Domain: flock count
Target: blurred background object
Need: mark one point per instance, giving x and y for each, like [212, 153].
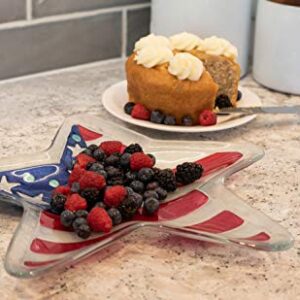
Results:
[42, 35]
[277, 45]
[228, 19]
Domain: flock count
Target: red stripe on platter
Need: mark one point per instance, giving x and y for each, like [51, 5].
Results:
[176, 208]
[88, 135]
[50, 220]
[33, 264]
[260, 237]
[222, 222]
[218, 161]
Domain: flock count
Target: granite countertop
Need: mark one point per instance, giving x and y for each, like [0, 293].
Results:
[159, 266]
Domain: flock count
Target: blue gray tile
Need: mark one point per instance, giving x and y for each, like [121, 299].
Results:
[54, 45]
[138, 25]
[42, 8]
[11, 10]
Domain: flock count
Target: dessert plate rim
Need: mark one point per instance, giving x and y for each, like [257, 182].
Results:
[114, 105]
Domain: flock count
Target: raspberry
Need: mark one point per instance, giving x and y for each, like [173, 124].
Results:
[75, 175]
[99, 220]
[140, 112]
[115, 195]
[83, 159]
[110, 147]
[62, 189]
[91, 180]
[139, 160]
[207, 118]
[75, 202]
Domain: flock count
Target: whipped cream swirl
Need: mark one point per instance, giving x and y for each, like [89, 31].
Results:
[218, 46]
[186, 66]
[185, 41]
[152, 56]
[152, 40]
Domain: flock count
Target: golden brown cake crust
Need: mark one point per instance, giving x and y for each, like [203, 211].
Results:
[156, 88]
[224, 71]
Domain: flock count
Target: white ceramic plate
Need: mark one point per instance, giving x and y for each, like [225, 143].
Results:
[115, 97]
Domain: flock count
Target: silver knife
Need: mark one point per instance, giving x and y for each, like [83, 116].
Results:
[292, 109]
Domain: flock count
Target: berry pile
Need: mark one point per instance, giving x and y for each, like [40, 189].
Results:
[110, 182]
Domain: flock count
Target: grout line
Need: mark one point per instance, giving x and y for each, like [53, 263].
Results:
[124, 33]
[69, 16]
[28, 10]
[64, 70]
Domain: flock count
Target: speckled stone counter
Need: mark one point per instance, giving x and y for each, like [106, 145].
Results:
[159, 266]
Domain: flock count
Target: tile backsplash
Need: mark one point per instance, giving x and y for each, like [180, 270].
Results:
[41, 35]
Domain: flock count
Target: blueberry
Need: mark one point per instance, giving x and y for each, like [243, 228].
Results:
[152, 157]
[151, 205]
[130, 176]
[67, 217]
[132, 148]
[101, 205]
[125, 160]
[157, 117]
[88, 152]
[162, 193]
[223, 101]
[75, 188]
[92, 147]
[115, 215]
[83, 231]
[103, 173]
[137, 198]
[58, 203]
[145, 174]
[96, 167]
[130, 191]
[151, 194]
[137, 186]
[239, 96]
[115, 181]
[99, 155]
[78, 222]
[152, 185]
[170, 120]
[113, 160]
[113, 172]
[128, 107]
[81, 213]
[187, 121]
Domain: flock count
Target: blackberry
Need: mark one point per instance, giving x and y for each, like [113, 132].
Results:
[170, 120]
[125, 160]
[113, 172]
[157, 117]
[115, 216]
[223, 101]
[166, 179]
[130, 191]
[81, 213]
[83, 231]
[137, 186]
[162, 194]
[75, 188]
[99, 155]
[128, 107]
[130, 176]
[145, 174]
[129, 207]
[57, 203]
[239, 96]
[113, 160]
[95, 167]
[151, 205]
[93, 147]
[91, 195]
[67, 217]
[188, 172]
[187, 121]
[132, 148]
[152, 185]
[151, 194]
[78, 222]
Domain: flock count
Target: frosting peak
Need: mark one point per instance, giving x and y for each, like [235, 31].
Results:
[152, 56]
[185, 41]
[152, 40]
[186, 66]
[218, 46]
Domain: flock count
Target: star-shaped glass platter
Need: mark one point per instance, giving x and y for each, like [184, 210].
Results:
[205, 210]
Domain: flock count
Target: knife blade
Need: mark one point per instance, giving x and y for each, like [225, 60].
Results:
[292, 109]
